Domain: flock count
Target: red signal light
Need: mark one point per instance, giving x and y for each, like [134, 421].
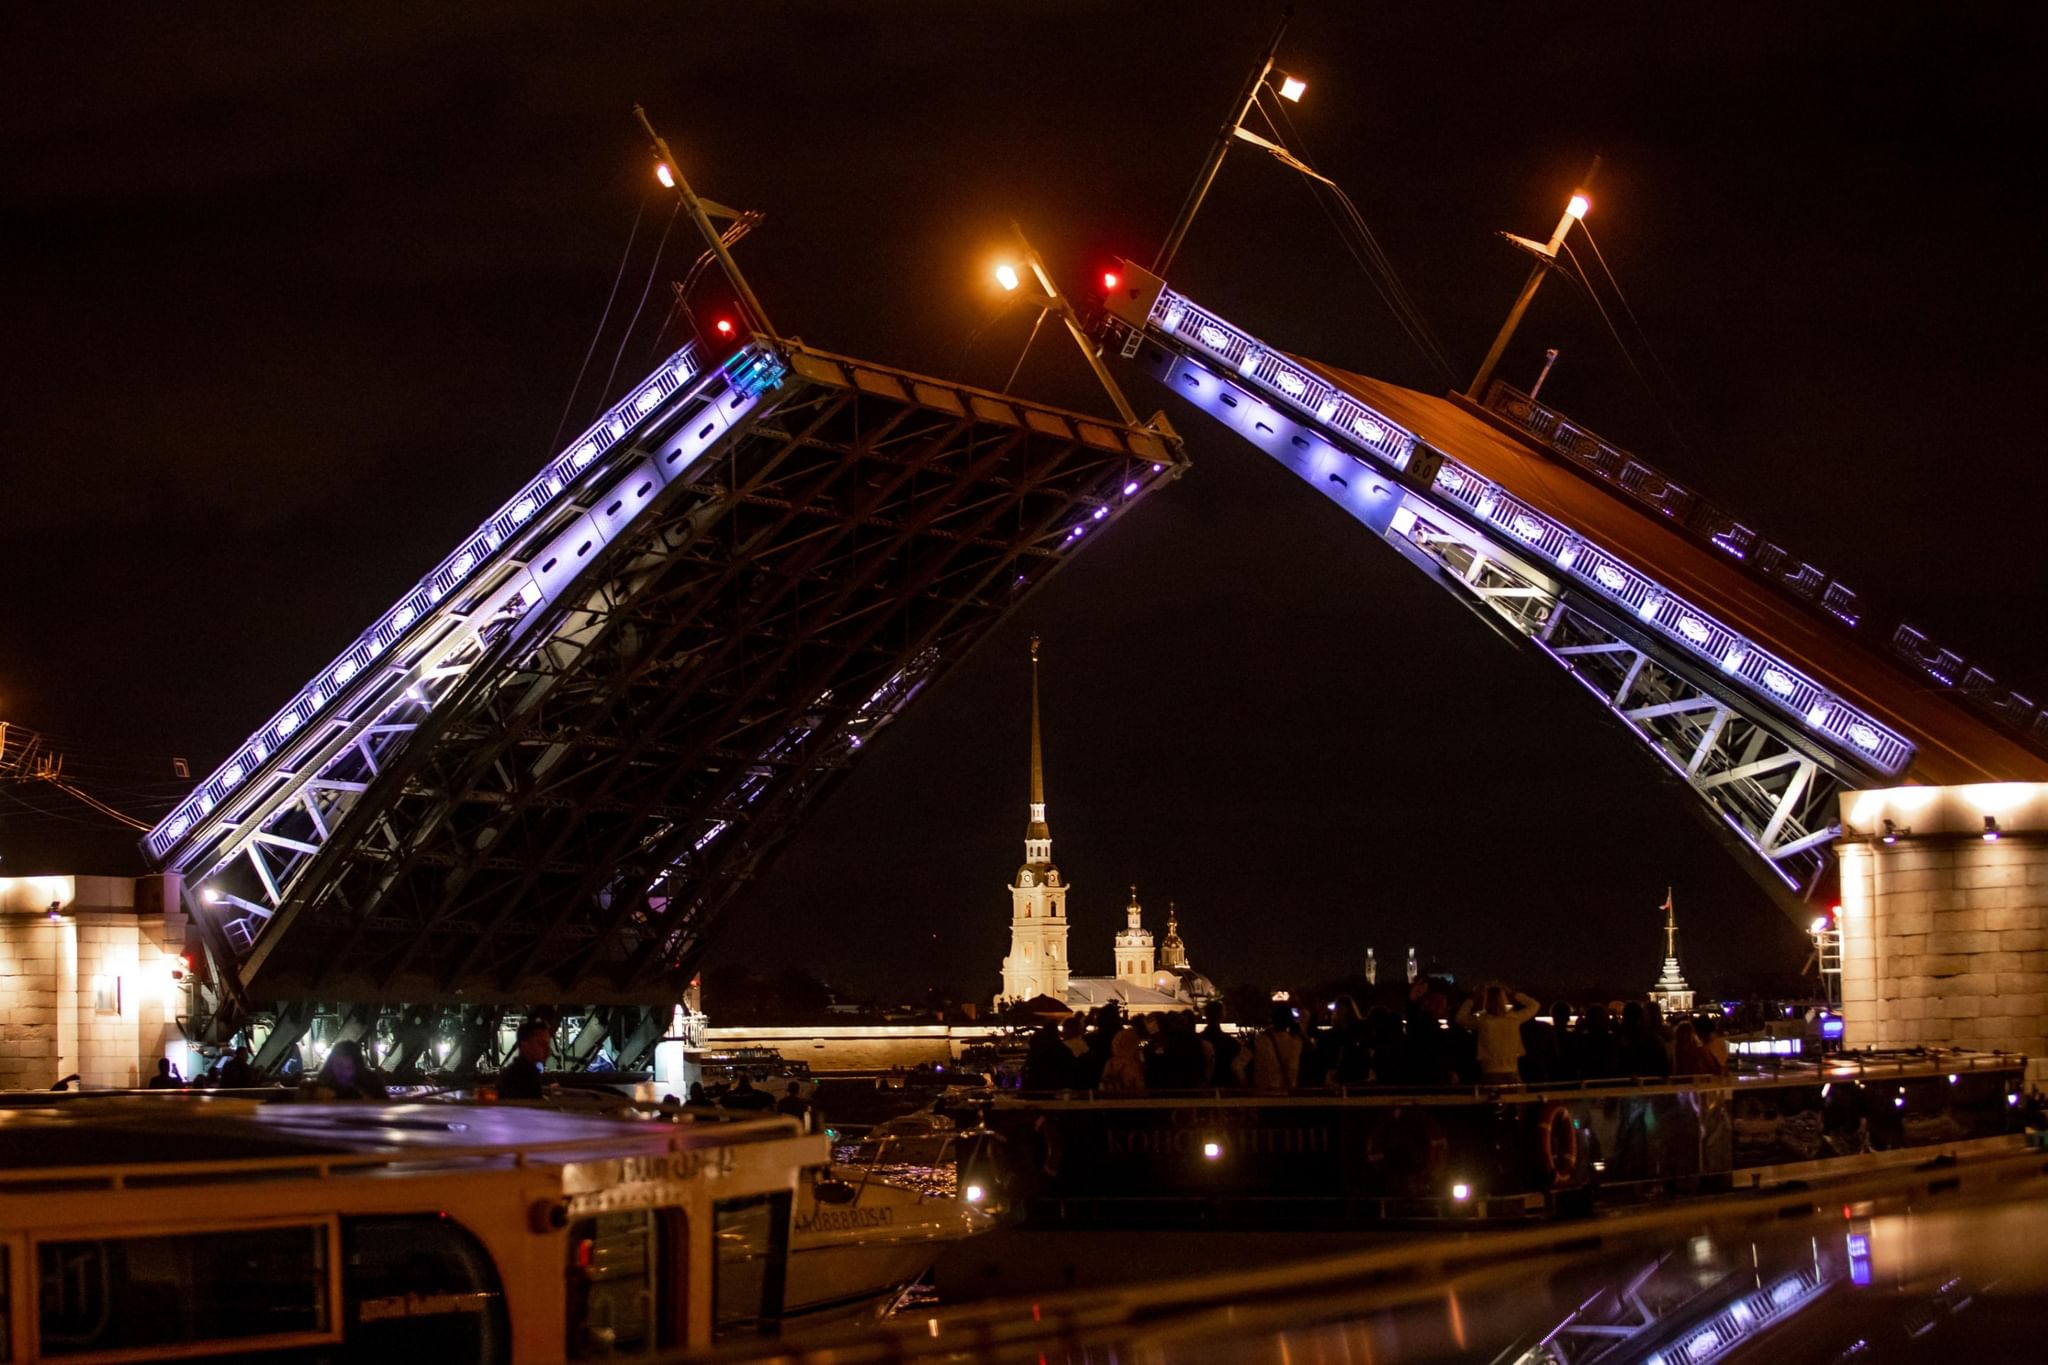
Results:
[1110, 281]
[724, 326]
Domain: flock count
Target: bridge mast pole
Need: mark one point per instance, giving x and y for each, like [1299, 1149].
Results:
[1224, 136]
[1056, 302]
[695, 208]
[1574, 211]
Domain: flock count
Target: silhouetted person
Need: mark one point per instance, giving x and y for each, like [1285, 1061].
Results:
[347, 1074]
[1126, 1067]
[235, 1072]
[1080, 1069]
[1047, 1064]
[1594, 1046]
[65, 1084]
[744, 1096]
[520, 1079]
[1640, 1052]
[1181, 1064]
[1694, 1058]
[1346, 1054]
[1276, 1052]
[167, 1077]
[1223, 1049]
[698, 1099]
[794, 1105]
[1497, 1023]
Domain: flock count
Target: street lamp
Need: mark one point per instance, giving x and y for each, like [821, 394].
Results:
[700, 212]
[1050, 300]
[1292, 88]
[1546, 254]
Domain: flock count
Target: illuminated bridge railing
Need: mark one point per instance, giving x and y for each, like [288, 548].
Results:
[397, 633]
[1770, 561]
[1693, 629]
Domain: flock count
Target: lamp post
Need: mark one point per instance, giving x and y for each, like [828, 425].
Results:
[1051, 300]
[1291, 89]
[1575, 209]
[670, 173]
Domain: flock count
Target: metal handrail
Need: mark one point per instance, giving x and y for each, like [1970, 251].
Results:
[1795, 1071]
[1636, 479]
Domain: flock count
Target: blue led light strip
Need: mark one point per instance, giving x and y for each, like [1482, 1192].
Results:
[352, 670]
[1785, 686]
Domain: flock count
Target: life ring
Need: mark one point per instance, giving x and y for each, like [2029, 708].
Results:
[1560, 1159]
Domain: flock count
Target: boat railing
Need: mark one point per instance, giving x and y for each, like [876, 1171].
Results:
[1760, 1072]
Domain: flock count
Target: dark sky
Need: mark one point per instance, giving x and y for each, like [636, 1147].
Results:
[292, 299]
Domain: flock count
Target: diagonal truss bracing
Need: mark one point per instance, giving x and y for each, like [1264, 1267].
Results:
[573, 758]
[1763, 746]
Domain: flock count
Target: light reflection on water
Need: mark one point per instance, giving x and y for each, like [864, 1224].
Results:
[936, 1181]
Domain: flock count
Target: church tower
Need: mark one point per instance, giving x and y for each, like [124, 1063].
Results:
[1173, 954]
[1134, 945]
[1037, 964]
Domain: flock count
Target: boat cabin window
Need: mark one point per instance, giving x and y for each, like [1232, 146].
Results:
[626, 1284]
[165, 1295]
[421, 1287]
[752, 1245]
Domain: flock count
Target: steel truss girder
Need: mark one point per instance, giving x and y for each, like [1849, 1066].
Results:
[577, 784]
[1762, 780]
[417, 1042]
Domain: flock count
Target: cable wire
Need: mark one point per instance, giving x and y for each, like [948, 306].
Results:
[653, 267]
[1671, 389]
[555, 442]
[1627, 352]
[1360, 242]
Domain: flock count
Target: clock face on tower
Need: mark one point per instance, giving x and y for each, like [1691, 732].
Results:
[1024, 878]
[1052, 877]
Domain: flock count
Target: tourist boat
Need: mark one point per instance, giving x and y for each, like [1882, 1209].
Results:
[1363, 1155]
[858, 1241]
[179, 1226]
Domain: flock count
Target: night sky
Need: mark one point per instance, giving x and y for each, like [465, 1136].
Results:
[292, 301]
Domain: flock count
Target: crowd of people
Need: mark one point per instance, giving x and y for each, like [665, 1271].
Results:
[1497, 1036]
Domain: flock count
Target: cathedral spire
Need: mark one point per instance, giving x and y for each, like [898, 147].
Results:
[1037, 831]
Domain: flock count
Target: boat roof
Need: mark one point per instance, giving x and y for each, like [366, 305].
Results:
[186, 1130]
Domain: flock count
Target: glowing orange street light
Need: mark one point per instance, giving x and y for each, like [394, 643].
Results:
[666, 176]
[1006, 276]
[1575, 209]
[1292, 88]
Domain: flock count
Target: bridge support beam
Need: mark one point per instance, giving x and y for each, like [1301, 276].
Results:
[1944, 918]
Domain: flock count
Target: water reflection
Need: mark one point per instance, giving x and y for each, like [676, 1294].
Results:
[1922, 1264]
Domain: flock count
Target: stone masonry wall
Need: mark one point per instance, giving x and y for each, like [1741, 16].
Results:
[1945, 943]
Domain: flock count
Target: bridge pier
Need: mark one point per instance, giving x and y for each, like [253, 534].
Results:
[1944, 918]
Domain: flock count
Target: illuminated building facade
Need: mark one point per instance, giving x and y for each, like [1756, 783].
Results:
[92, 981]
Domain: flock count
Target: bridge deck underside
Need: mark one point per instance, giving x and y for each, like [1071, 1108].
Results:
[576, 814]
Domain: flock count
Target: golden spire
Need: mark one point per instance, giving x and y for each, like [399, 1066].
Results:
[1037, 827]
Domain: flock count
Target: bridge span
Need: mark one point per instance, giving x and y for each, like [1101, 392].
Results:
[546, 771]
[1760, 682]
